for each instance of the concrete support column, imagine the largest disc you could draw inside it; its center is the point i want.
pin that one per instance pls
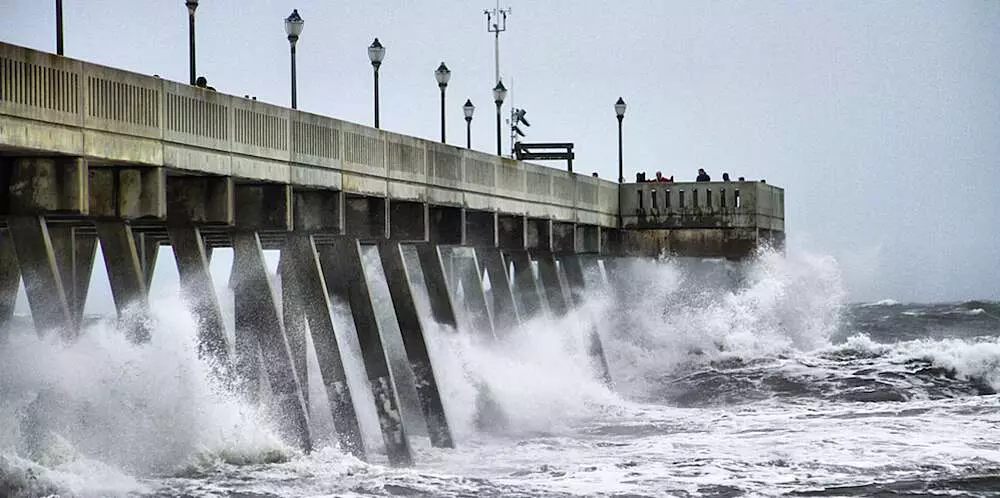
(43, 282)
(128, 193)
(258, 322)
(480, 228)
(529, 301)
(196, 286)
(548, 272)
(365, 218)
(10, 278)
(293, 314)
(588, 239)
(318, 211)
(301, 265)
(345, 279)
(148, 248)
(41, 185)
(398, 276)
(408, 221)
(469, 277)
(574, 277)
(505, 313)
(538, 234)
(75, 253)
(128, 284)
(446, 225)
(438, 293)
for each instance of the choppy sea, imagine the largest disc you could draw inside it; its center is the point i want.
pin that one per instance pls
(754, 381)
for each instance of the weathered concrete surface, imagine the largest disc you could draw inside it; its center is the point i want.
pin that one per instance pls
(408, 221)
(529, 301)
(40, 185)
(731, 243)
(469, 277)
(42, 281)
(10, 279)
(199, 292)
(345, 280)
(258, 317)
(201, 199)
(301, 262)
(548, 273)
(128, 284)
(75, 253)
(438, 293)
(128, 193)
(505, 315)
(480, 228)
(398, 278)
(446, 225)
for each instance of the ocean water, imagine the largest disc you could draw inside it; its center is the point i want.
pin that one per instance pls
(753, 381)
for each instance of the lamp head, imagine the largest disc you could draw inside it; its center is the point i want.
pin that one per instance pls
(443, 74)
(293, 26)
(376, 52)
(620, 108)
(468, 109)
(499, 93)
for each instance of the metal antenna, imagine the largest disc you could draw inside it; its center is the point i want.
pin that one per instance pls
(496, 23)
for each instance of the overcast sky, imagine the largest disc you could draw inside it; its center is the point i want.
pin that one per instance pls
(880, 119)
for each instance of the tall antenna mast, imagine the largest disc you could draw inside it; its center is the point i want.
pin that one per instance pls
(496, 23)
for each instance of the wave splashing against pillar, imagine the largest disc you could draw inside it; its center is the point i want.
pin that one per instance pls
(87, 415)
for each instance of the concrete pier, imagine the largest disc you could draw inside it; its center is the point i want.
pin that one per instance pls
(398, 277)
(191, 257)
(301, 261)
(345, 279)
(474, 298)
(529, 301)
(548, 272)
(10, 280)
(505, 313)
(125, 272)
(42, 280)
(75, 253)
(258, 320)
(441, 303)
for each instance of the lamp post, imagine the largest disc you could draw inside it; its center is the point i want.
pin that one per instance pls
(442, 74)
(499, 93)
(192, 5)
(468, 109)
(376, 52)
(620, 112)
(59, 27)
(293, 28)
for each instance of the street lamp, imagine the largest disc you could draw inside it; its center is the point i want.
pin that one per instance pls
(293, 28)
(499, 93)
(468, 109)
(442, 74)
(59, 28)
(620, 112)
(376, 52)
(192, 5)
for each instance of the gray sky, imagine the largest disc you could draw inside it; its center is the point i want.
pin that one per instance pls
(880, 119)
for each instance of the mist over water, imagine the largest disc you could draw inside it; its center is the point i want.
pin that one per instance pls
(726, 380)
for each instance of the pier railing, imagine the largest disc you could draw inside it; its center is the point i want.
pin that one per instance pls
(703, 205)
(56, 105)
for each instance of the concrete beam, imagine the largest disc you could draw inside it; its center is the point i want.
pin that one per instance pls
(563, 237)
(539, 234)
(301, 262)
(345, 280)
(42, 281)
(512, 232)
(480, 228)
(432, 266)
(549, 275)
(398, 277)
(408, 221)
(505, 315)
(365, 217)
(258, 320)
(264, 206)
(128, 283)
(41, 185)
(10, 279)
(201, 200)
(529, 301)
(446, 225)
(318, 211)
(128, 193)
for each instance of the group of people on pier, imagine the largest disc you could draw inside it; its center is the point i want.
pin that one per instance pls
(659, 178)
